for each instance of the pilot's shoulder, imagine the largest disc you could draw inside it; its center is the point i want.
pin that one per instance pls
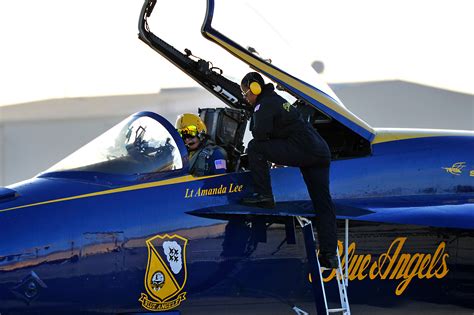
(219, 153)
(219, 159)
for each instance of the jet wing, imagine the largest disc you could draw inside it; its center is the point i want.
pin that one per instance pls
(281, 210)
(298, 88)
(443, 212)
(414, 210)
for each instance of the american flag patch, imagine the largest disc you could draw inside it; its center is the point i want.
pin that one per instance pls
(220, 164)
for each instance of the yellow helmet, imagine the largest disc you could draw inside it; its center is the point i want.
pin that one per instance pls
(190, 124)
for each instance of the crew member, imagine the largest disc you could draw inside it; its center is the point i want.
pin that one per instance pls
(205, 157)
(282, 136)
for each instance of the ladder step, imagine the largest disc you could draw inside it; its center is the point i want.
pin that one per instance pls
(319, 291)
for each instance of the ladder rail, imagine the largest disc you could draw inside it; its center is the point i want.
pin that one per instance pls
(314, 267)
(319, 291)
(342, 286)
(346, 251)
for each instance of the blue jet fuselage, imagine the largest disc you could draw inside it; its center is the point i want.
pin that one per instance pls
(84, 238)
(121, 227)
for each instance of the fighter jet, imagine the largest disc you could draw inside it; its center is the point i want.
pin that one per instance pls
(121, 227)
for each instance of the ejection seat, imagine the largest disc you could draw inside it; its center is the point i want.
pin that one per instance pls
(226, 127)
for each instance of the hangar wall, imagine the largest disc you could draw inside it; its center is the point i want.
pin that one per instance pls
(34, 136)
(400, 104)
(31, 146)
(37, 135)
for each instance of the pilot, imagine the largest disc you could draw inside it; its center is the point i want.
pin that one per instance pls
(282, 136)
(205, 157)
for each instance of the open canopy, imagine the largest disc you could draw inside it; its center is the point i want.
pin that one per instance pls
(320, 95)
(315, 94)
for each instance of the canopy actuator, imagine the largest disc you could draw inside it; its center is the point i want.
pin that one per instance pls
(202, 71)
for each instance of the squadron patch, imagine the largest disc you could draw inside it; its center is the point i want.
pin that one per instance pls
(166, 273)
(287, 106)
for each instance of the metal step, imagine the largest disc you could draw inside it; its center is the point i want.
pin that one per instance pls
(319, 291)
(337, 310)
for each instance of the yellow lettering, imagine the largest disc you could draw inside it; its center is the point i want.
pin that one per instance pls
(399, 270)
(394, 265)
(354, 266)
(409, 273)
(207, 192)
(373, 272)
(471, 173)
(443, 267)
(189, 193)
(233, 189)
(365, 263)
(436, 257)
(414, 264)
(391, 260)
(343, 260)
(222, 189)
(330, 276)
(423, 266)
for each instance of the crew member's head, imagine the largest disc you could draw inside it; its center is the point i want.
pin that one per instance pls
(252, 86)
(192, 129)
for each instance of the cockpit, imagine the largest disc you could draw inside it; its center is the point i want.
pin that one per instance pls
(142, 143)
(146, 143)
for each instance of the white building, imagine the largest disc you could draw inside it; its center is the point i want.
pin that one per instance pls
(36, 135)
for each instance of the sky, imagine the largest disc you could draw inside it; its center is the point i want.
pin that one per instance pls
(63, 48)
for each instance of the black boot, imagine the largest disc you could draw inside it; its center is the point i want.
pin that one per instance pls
(259, 200)
(328, 260)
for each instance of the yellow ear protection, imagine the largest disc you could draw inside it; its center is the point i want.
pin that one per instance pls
(253, 82)
(255, 88)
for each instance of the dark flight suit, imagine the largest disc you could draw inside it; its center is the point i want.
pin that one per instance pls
(208, 159)
(283, 137)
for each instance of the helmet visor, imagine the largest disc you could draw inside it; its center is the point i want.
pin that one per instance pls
(190, 131)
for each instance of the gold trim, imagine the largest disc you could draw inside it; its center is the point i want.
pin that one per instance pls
(172, 181)
(387, 135)
(295, 83)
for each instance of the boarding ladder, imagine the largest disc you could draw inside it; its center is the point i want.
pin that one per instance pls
(316, 273)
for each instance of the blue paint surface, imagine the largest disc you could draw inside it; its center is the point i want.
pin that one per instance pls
(91, 252)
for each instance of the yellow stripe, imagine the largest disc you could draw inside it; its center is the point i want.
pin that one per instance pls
(183, 179)
(293, 82)
(393, 137)
(387, 135)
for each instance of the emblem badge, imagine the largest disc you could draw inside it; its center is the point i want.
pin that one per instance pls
(166, 273)
(287, 106)
(456, 168)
